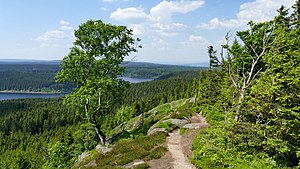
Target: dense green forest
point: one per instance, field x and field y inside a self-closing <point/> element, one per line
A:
<point x="153" y="71"/>
<point x="30" y="77"/>
<point x="39" y="77"/>
<point x="30" y="127"/>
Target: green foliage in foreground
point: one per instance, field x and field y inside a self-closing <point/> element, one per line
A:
<point x="216" y="154"/>
<point x="254" y="108"/>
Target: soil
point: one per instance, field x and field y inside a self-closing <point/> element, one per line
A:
<point x="179" y="148"/>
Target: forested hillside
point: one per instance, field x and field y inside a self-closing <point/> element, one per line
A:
<point x="30" y="127"/>
<point x="39" y="76"/>
<point x="30" y="77"/>
<point x="150" y="70"/>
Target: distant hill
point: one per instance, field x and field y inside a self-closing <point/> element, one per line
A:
<point x="38" y="75"/>
<point x="125" y="63"/>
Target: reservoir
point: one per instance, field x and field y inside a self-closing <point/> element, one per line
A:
<point x="135" y="80"/>
<point x="8" y="96"/>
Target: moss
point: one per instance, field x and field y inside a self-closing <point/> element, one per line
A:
<point x="156" y="153"/>
<point x="127" y="150"/>
<point x="183" y="131"/>
<point x="167" y="125"/>
<point x="142" y="166"/>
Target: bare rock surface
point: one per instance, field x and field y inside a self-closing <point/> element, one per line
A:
<point x="103" y="149"/>
<point x="134" y="164"/>
<point x="155" y="130"/>
<point x="177" y="122"/>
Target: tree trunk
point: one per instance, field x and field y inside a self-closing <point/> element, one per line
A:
<point x="91" y="119"/>
<point x="100" y="134"/>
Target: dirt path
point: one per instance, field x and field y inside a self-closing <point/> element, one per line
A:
<point x="180" y="161"/>
<point x="180" y="147"/>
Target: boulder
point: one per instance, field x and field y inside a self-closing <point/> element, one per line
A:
<point x="155" y="130"/>
<point x="193" y="126"/>
<point x="177" y="122"/>
<point x="102" y="149"/>
<point x="134" y="164"/>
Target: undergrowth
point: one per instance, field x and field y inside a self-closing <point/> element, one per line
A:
<point x="213" y="149"/>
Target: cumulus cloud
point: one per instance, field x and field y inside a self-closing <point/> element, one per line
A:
<point x="159" y="18"/>
<point x="165" y="9"/>
<point x="130" y="15"/>
<point x="257" y="11"/>
<point x="58" y="37"/>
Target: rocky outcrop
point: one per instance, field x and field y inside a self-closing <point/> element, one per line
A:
<point x="103" y="149"/>
<point x="193" y="126"/>
<point x="176" y="122"/>
<point x="134" y="164"/>
<point x="82" y="158"/>
<point x="155" y="130"/>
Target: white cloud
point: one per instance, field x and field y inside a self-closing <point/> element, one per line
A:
<point x="138" y="29"/>
<point x="60" y="37"/>
<point x="159" y="18"/>
<point x="53" y="35"/>
<point x="196" y="41"/>
<point x="165" y="9"/>
<point x="66" y="28"/>
<point x="257" y="11"/>
<point x="65" y="23"/>
<point x="169" y="29"/>
<point x="130" y="15"/>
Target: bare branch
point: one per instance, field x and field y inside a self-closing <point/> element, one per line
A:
<point x="254" y="77"/>
<point x="230" y="76"/>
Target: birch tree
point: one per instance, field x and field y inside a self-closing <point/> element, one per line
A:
<point x="93" y="64"/>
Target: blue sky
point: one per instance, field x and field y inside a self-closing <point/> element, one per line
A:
<point x="172" y="31"/>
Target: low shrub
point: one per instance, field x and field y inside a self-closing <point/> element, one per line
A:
<point x="127" y="150"/>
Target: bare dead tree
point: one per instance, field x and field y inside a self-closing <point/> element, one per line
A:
<point x="242" y="82"/>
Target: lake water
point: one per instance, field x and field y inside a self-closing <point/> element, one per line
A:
<point x="136" y="80"/>
<point x="8" y="96"/>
